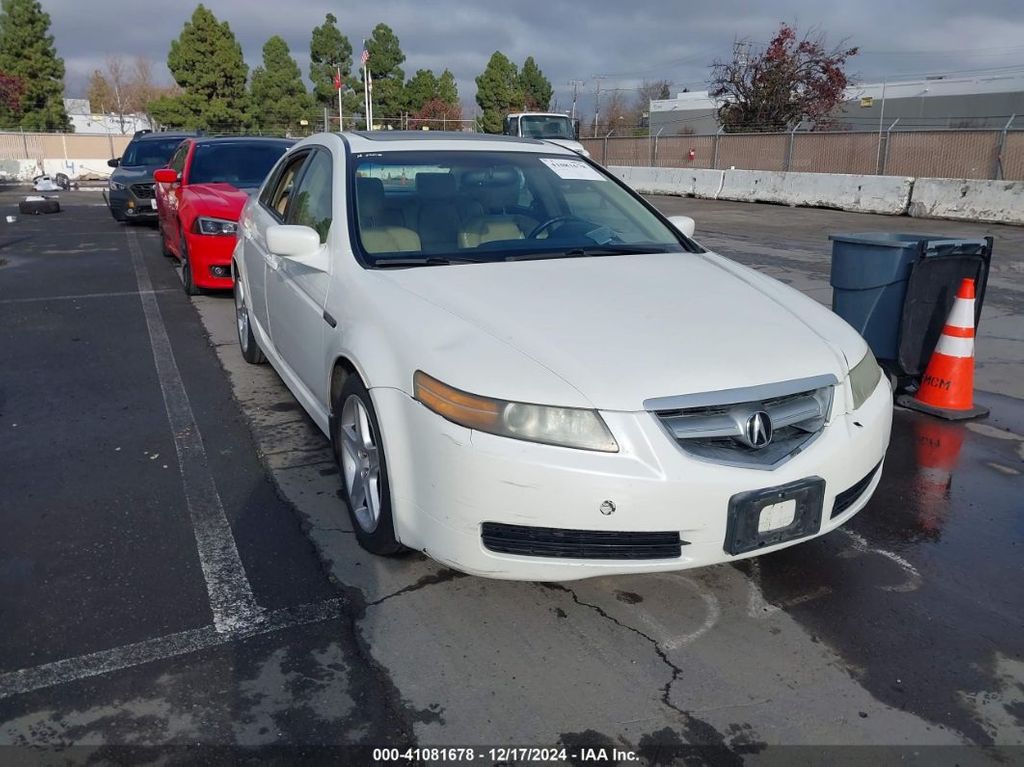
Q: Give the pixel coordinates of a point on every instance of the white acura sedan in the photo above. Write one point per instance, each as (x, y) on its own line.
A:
(527, 372)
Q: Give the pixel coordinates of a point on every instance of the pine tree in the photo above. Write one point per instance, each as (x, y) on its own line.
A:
(498, 92)
(330, 50)
(421, 88)
(448, 89)
(279, 97)
(27, 53)
(206, 61)
(536, 87)
(385, 65)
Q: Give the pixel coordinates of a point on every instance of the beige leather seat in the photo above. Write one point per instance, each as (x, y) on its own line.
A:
(376, 235)
(438, 218)
(488, 229)
(390, 239)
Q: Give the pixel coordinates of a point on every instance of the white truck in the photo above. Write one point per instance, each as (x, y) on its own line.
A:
(550, 126)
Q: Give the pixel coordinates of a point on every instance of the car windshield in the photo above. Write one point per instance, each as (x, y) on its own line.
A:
(436, 207)
(151, 152)
(243, 164)
(541, 126)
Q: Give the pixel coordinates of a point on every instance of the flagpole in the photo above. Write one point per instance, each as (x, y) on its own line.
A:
(366, 89)
(341, 114)
(369, 79)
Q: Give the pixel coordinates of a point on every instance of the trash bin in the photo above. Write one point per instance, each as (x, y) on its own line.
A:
(897, 290)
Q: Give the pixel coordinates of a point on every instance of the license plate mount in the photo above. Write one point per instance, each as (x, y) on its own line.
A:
(762, 518)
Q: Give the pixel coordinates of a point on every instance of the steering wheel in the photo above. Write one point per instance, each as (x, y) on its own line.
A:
(552, 222)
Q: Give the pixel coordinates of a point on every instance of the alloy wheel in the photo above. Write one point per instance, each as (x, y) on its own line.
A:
(241, 317)
(360, 460)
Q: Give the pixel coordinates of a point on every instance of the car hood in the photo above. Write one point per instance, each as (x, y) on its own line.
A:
(217, 199)
(621, 330)
(133, 174)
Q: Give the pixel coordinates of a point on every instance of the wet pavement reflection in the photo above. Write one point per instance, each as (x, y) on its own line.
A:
(922, 593)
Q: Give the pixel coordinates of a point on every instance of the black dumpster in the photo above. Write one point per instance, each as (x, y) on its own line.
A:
(897, 290)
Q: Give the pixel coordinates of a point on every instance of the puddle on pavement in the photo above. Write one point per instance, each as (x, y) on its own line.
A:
(922, 594)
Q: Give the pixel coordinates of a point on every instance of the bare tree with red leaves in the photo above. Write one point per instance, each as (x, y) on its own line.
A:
(793, 79)
(12, 88)
(437, 114)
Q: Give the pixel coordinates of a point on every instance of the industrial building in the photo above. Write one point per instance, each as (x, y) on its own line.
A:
(987, 102)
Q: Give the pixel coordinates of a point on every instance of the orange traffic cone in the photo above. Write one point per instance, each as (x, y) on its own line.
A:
(947, 388)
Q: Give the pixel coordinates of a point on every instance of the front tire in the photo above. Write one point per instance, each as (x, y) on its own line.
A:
(251, 351)
(164, 250)
(364, 478)
(187, 281)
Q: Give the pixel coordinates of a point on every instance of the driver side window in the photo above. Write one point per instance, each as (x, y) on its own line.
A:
(177, 161)
(278, 193)
(312, 201)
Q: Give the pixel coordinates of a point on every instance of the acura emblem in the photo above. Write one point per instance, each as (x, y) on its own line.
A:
(758, 430)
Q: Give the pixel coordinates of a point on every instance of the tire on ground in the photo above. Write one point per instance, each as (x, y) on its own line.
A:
(381, 540)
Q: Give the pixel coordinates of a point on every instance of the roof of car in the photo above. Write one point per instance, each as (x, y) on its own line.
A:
(163, 136)
(370, 141)
(244, 140)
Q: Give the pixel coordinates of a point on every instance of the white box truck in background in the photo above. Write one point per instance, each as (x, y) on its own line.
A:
(550, 126)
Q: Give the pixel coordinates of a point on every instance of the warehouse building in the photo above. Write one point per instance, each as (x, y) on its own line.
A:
(987, 102)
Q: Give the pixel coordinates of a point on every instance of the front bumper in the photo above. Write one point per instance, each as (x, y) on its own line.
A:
(126, 204)
(209, 257)
(447, 481)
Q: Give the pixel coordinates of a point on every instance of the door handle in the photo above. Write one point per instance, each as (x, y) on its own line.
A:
(273, 262)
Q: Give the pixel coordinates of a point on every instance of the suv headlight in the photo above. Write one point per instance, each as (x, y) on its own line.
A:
(563, 426)
(115, 186)
(216, 226)
(864, 378)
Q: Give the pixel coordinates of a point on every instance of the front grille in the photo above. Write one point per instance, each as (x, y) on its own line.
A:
(714, 431)
(579, 544)
(143, 191)
(851, 495)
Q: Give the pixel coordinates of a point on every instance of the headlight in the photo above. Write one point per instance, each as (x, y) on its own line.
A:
(864, 378)
(116, 186)
(216, 226)
(564, 426)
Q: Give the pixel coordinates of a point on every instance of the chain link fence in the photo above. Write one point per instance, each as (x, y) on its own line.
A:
(974, 154)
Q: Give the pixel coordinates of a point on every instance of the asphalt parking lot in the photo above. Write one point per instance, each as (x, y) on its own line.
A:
(176, 567)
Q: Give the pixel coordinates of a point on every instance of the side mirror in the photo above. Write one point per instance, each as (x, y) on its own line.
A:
(166, 176)
(291, 241)
(684, 224)
(114, 162)
(576, 128)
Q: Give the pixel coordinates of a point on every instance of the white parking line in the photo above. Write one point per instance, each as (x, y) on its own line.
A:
(161, 648)
(113, 294)
(231, 597)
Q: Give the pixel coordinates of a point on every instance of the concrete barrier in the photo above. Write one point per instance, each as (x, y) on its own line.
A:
(78, 170)
(685, 182)
(888, 195)
(23, 171)
(19, 171)
(1000, 202)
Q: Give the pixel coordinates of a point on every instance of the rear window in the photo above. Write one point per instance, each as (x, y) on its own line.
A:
(243, 165)
(151, 152)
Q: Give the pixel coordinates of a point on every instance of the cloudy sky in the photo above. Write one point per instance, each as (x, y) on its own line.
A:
(626, 41)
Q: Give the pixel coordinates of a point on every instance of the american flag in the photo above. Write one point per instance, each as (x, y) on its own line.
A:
(364, 56)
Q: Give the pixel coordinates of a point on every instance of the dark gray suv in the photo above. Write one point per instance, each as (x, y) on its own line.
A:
(129, 193)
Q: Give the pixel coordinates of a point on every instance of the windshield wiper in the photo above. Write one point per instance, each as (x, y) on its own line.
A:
(598, 250)
(387, 263)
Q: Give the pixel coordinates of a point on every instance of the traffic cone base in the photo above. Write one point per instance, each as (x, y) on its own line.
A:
(947, 387)
(912, 403)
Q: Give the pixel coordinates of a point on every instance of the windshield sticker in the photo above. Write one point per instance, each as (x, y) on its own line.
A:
(572, 169)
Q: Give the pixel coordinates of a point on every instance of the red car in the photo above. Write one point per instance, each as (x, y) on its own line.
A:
(199, 197)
